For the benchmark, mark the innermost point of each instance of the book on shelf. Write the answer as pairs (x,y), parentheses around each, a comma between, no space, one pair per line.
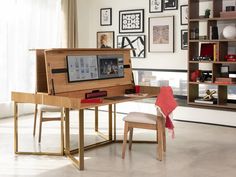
(209,50)
(225,80)
(201,100)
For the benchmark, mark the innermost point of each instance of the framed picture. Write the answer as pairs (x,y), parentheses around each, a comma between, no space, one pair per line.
(105,16)
(105,39)
(224,71)
(131,21)
(134,42)
(161,34)
(184,14)
(170,4)
(184,39)
(155,6)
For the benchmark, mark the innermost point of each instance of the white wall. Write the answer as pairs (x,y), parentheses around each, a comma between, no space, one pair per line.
(89,24)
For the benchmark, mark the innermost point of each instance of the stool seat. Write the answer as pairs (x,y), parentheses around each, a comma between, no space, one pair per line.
(50,108)
(142,117)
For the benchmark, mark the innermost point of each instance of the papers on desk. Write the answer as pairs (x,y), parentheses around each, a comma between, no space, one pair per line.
(136,95)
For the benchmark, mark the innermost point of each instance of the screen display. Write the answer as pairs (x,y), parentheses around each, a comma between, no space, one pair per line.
(110,66)
(81,68)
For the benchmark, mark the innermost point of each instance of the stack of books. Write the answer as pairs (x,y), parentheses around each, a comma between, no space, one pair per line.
(201,100)
(225,80)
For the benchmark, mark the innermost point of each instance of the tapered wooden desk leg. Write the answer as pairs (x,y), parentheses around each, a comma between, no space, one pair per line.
(81,139)
(96,118)
(110,122)
(67,130)
(15,127)
(114,122)
(35,118)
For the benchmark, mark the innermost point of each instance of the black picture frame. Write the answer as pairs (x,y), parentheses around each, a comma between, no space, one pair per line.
(224,71)
(105,39)
(184,39)
(106,16)
(155,6)
(170,4)
(135,42)
(184,14)
(131,21)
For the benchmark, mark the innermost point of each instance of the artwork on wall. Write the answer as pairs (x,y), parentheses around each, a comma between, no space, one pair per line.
(184,14)
(161,34)
(135,42)
(131,21)
(170,4)
(105,39)
(105,16)
(155,6)
(184,39)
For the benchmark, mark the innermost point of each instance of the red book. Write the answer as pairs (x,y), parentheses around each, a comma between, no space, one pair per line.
(207,50)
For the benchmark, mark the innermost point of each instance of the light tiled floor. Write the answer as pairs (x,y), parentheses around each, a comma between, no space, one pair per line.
(197,151)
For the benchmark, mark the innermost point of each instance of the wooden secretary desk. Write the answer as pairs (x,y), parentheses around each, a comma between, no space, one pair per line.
(58,85)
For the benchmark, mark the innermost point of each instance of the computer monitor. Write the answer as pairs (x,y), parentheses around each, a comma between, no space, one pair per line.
(82,68)
(93,67)
(110,66)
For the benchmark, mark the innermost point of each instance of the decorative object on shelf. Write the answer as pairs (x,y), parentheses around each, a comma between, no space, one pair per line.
(230,57)
(203,37)
(205,76)
(207,13)
(161,34)
(229,32)
(224,71)
(214,32)
(184,14)
(195,75)
(200,58)
(208,98)
(209,95)
(105,39)
(134,42)
(170,4)
(184,39)
(230,8)
(155,6)
(131,21)
(105,16)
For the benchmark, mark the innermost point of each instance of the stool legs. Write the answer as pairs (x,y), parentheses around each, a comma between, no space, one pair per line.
(35,118)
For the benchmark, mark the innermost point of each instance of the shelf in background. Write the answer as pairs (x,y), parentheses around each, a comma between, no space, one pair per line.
(201,62)
(214,62)
(209,83)
(226,105)
(212,41)
(212,19)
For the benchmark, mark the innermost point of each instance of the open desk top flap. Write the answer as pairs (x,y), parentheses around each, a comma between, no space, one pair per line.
(70,70)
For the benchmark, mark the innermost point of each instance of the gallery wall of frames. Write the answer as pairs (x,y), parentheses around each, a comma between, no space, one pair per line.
(156,30)
(160,35)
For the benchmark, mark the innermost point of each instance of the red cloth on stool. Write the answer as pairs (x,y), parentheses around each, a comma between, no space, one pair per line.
(166,102)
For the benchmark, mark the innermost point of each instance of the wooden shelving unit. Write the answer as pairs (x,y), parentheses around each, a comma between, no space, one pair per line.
(222,49)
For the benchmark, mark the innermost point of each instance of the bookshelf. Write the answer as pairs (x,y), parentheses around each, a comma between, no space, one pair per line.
(202,29)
